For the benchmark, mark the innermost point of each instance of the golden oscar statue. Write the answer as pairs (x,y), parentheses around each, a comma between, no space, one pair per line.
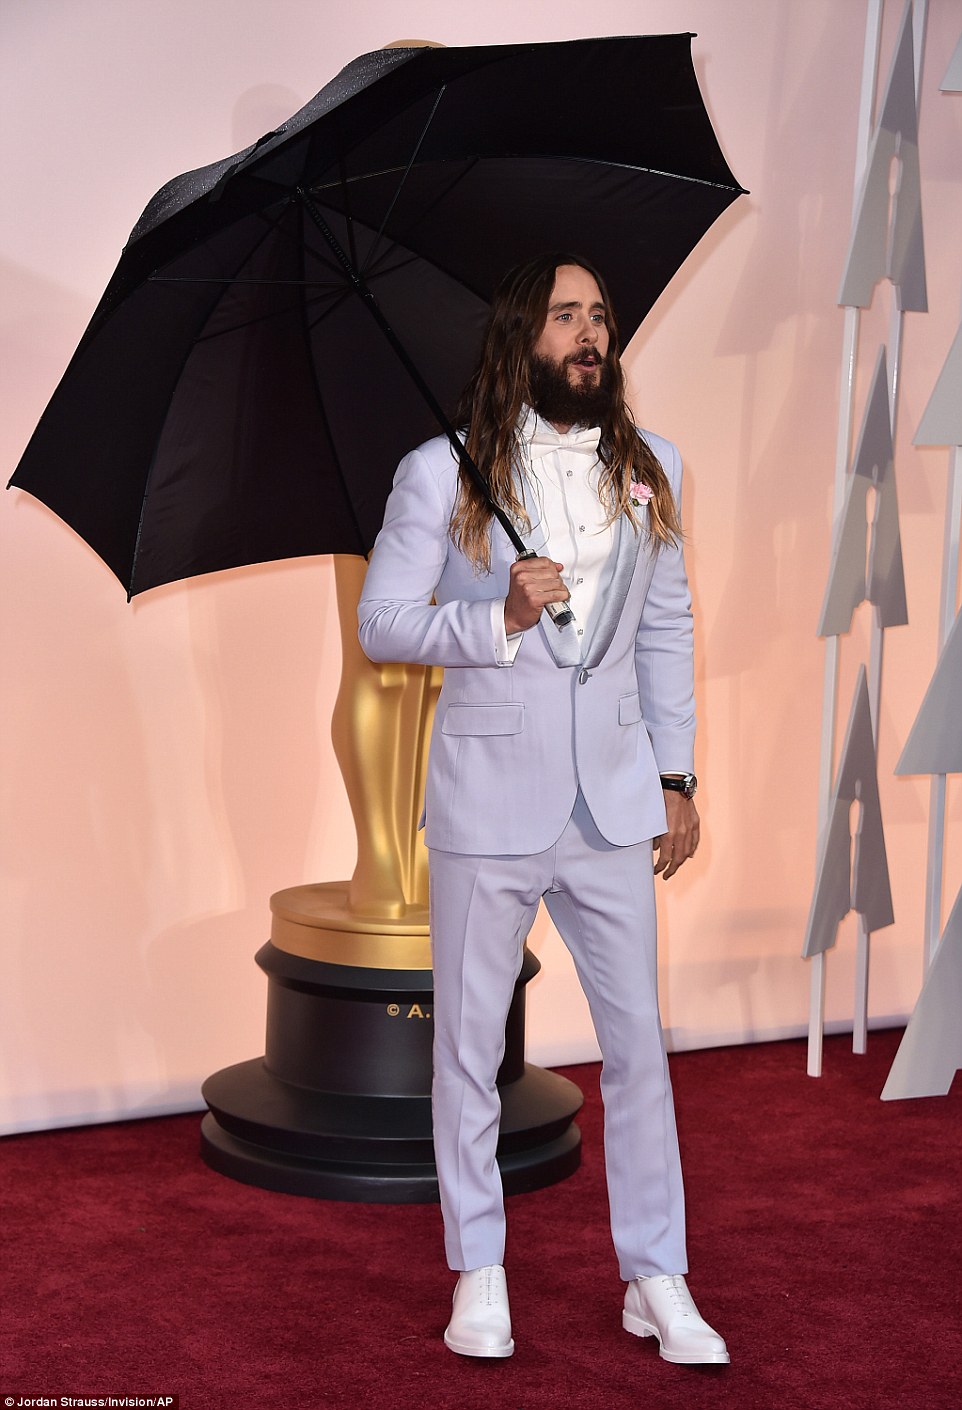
(381,731)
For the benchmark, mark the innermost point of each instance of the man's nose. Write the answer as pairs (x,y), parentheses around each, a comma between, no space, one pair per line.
(588,333)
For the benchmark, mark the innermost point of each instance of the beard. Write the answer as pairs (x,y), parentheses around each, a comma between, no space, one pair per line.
(553,396)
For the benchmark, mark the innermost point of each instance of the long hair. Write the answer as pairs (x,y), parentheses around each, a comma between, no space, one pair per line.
(490,408)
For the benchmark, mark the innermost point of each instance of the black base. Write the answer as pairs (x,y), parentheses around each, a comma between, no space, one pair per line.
(375,1149)
(340,1105)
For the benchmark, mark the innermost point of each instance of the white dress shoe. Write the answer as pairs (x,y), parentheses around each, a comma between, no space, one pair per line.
(480,1322)
(663,1307)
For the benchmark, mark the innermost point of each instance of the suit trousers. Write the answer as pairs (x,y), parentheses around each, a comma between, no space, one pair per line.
(601,899)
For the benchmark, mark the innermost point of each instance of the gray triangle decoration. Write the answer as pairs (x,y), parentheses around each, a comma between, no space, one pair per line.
(952,82)
(882,580)
(930,1053)
(886,240)
(934,745)
(941,423)
(852,873)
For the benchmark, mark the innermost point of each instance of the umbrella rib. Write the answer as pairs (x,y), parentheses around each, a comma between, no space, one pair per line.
(273,227)
(557,156)
(334,304)
(210,279)
(407,171)
(384,271)
(322,409)
(258,318)
(349,219)
(334,297)
(460,175)
(344,294)
(403,260)
(671,175)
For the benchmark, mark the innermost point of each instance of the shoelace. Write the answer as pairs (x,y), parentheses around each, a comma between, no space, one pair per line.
(680,1296)
(487,1287)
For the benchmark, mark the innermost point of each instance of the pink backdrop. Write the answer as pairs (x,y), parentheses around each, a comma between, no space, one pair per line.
(167,765)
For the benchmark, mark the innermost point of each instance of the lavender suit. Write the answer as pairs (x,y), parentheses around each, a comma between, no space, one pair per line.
(543,782)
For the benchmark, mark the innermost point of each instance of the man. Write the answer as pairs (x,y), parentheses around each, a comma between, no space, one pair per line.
(557,756)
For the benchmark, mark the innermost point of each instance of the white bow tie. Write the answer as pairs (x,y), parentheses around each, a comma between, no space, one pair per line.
(544,439)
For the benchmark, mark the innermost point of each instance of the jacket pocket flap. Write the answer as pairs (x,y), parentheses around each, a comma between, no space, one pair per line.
(507,718)
(629,709)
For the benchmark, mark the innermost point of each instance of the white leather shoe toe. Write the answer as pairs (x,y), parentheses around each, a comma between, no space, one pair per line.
(480,1322)
(663,1307)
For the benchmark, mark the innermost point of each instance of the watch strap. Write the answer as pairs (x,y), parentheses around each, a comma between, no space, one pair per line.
(680,783)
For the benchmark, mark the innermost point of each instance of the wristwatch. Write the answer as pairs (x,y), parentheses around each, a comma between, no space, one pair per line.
(680,783)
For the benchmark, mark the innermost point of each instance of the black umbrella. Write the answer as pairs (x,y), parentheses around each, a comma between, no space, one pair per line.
(232,400)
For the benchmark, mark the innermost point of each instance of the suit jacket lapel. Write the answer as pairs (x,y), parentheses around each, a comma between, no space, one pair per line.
(612,598)
(564,643)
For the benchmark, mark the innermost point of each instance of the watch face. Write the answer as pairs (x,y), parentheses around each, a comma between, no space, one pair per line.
(691,784)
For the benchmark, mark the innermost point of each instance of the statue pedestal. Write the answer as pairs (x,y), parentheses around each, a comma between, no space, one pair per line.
(339,1107)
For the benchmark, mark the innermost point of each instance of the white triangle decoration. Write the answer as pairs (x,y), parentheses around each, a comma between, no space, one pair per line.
(882,579)
(886,240)
(852,872)
(930,1053)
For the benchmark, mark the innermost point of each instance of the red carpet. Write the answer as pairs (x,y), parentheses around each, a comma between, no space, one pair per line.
(825,1235)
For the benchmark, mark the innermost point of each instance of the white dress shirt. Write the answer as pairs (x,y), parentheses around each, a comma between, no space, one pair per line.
(561,478)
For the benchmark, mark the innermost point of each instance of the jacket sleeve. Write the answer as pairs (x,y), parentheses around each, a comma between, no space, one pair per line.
(397,619)
(664,651)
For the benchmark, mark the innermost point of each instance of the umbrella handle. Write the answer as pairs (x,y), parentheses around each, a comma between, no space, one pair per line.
(559,612)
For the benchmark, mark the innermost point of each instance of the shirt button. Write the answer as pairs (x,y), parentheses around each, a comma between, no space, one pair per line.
(569,473)
(581,631)
(579,580)
(581,528)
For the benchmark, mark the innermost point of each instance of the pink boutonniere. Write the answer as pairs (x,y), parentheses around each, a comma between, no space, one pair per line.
(639,493)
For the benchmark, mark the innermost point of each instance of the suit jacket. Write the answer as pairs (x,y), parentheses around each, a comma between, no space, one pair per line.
(607,709)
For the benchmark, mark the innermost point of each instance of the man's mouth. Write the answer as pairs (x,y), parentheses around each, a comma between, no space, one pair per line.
(586,360)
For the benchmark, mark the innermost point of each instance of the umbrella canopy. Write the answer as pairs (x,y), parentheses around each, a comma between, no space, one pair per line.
(233,402)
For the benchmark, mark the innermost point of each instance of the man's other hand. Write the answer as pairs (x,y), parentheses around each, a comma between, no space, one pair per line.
(681,840)
(534,583)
